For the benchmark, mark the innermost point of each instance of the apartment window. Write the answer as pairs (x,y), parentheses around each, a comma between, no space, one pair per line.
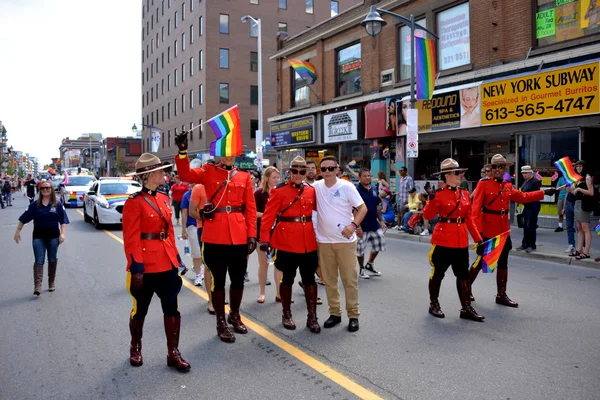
(253,29)
(191,127)
(175,77)
(143,77)
(200,60)
(163,7)
(253,61)
(162,87)
(147,28)
(151,23)
(169,136)
(183,72)
(335,8)
(151,46)
(191,34)
(157,41)
(151,70)
(200,129)
(182,41)
(162,113)
(191,66)
(142,55)
(300,89)
(200,26)
(169,4)
(147,97)
(147,51)
(147,74)
(310,8)
(168,54)
(162,34)
(253,95)
(175,106)
(192,5)
(162,139)
(169,83)
(151,94)
(283,4)
(405,43)
(223,58)
(224,93)
(253,1)
(200,95)
(454,44)
(168,27)
(183,103)
(349,66)
(156,90)
(183,10)
(162,60)
(191,98)
(169,110)
(151,119)
(176,45)
(253,128)
(282,27)
(176,20)
(224,23)
(156,65)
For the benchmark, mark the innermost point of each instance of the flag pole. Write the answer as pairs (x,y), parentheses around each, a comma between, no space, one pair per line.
(503,233)
(208,120)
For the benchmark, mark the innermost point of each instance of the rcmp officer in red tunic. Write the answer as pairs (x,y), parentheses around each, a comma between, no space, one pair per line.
(229,230)
(450,239)
(152,259)
(290,207)
(491,216)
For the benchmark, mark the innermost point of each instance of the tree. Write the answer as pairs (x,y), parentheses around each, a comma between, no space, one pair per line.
(121,167)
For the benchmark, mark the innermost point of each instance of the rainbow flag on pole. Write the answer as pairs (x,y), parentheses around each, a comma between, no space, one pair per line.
(426,67)
(565,166)
(305,69)
(226,127)
(491,253)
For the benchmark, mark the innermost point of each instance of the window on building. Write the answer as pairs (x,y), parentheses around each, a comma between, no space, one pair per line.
(162,114)
(253,29)
(191,130)
(183,103)
(162,34)
(404,43)
(192,5)
(223,58)
(283,4)
(349,66)
(175,106)
(200,129)
(191,66)
(253,95)
(183,72)
(191,34)
(156,90)
(200,26)
(558,21)
(162,60)
(183,10)
(168,54)
(156,40)
(282,27)
(176,46)
(200,95)
(335,8)
(169,83)
(224,23)
(169,136)
(224,93)
(310,7)
(168,27)
(191,98)
(162,87)
(169,110)
(253,128)
(169,4)
(454,44)
(151,70)
(151,94)
(300,89)
(200,60)
(176,19)
(162,139)
(182,41)
(253,61)
(253,1)
(163,7)
(175,77)
(156,65)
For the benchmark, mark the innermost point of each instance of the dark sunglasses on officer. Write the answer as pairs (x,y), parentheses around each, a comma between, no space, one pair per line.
(298,170)
(500,166)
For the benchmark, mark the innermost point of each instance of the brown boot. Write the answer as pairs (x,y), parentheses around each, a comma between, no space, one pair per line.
(502,298)
(38,277)
(52,275)
(174,359)
(467,312)
(136,327)
(310,292)
(218,299)
(286,297)
(473,272)
(434,293)
(235,299)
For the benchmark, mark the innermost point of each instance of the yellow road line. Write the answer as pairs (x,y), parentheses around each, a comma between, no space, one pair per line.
(300,355)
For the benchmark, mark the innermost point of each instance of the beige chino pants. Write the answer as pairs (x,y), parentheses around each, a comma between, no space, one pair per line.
(334,259)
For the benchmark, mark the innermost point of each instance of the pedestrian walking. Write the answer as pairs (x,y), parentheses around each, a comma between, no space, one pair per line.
(178,189)
(152,259)
(229,233)
(405,184)
(584,205)
(450,239)
(49,229)
(530,210)
(30,185)
(7,191)
(287,230)
(336,241)
(189,232)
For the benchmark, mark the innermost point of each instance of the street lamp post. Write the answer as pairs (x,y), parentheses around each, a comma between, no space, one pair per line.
(259,132)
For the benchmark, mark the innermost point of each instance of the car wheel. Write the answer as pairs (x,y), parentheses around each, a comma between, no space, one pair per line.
(97,224)
(86,217)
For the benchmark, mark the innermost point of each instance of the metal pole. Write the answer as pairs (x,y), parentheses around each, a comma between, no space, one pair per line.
(259,133)
(411,161)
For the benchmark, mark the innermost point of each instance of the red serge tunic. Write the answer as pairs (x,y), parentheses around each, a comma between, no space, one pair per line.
(455,204)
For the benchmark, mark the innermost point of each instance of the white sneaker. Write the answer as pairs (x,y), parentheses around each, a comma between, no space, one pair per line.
(570,249)
(363,274)
(198,280)
(425,232)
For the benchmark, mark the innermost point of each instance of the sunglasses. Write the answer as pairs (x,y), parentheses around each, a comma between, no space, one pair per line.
(45,187)
(330,169)
(456,172)
(298,171)
(497,166)
(488,170)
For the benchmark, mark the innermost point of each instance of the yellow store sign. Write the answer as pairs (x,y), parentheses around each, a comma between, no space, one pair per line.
(565,92)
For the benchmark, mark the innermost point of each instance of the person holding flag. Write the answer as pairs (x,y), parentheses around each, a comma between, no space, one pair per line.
(229,231)
(450,239)
(491,215)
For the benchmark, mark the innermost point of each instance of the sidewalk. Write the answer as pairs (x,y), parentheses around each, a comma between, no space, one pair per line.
(550,245)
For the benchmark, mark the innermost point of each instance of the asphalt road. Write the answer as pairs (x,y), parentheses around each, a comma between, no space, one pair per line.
(73,343)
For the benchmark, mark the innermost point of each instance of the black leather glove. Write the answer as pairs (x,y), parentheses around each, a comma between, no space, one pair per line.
(181,140)
(550,192)
(137,281)
(251,245)
(430,194)
(265,246)
(479,249)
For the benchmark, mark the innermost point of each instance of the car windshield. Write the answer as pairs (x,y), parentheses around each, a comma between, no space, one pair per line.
(80,180)
(119,188)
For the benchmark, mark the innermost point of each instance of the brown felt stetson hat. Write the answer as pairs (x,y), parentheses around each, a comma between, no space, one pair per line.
(498,159)
(148,163)
(298,162)
(449,165)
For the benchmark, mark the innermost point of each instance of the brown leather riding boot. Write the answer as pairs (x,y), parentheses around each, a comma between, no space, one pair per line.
(473,272)
(467,312)
(285,292)
(235,299)
(434,293)
(310,292)
(218,299)
(52,275)
(502,298)
(174,359)
(136,327)
(38,277)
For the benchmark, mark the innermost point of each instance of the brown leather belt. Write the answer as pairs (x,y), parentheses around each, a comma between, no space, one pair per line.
(229,209)
(495,212)
(154,235)
(451,220)
(302,219)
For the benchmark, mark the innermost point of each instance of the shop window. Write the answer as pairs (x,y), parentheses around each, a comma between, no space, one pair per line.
(349,66)
(454,44)
(404,41)
(557,21)
(301,90)
(540,150)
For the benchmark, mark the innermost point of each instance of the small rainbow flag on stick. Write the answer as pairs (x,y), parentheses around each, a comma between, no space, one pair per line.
(226,127)
(352,163)
(491,253)
(305,69)
(426,67)
(386,152)
(565,166)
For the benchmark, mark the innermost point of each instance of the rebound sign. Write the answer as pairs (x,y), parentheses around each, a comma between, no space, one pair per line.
(560,93)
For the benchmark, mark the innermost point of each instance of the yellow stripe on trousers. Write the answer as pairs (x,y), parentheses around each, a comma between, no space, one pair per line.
(206,267)
(128,285)
(431,261)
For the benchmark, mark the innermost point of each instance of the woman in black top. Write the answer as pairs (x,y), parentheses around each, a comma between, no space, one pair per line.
(584,205)
(49,226)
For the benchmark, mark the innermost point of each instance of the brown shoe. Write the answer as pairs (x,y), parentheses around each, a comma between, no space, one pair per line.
(286,297)
(467,311)
(310,292)
(434,293)
(136,327)
(502,298)
(174,359)
(38,277)
(52,275)
(218,298)
(235,297)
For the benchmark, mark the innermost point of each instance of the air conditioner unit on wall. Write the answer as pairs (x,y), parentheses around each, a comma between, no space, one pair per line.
(387,77)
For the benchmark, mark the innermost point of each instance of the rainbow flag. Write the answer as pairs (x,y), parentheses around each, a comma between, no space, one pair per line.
(426,67)
(115,198)
(386,152)
(491,253)
(352,163)
(597,229)
(226,127)
(305,69)
(565,166)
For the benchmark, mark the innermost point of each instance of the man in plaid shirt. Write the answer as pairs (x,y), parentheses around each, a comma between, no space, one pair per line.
(405,183)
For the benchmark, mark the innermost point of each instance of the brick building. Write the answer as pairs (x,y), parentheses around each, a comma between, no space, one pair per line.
(118,155)
(517,77)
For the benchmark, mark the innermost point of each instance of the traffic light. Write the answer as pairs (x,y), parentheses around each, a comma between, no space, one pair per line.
(14,163)
(24,158)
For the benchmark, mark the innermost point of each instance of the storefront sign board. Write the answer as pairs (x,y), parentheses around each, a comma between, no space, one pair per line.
(544,24)
(340,127)
(454,44)
(294,131)
(412,135)
(564,92)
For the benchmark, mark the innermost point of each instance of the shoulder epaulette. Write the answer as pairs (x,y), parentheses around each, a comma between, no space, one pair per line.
(282,184)
(485,179)
(134,195)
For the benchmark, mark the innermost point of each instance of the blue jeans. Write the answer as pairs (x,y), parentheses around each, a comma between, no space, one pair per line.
(41,246)
(405,219)
(570,215)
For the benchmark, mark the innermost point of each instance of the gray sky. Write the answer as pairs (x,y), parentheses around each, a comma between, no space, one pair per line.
(68,67)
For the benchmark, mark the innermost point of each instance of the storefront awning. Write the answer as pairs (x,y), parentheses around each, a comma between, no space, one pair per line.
(375,121)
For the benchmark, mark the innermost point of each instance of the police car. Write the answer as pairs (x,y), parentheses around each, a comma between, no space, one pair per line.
(75,188)
(105,200)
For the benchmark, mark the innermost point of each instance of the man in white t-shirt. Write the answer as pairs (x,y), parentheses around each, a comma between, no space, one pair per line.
(336,240)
